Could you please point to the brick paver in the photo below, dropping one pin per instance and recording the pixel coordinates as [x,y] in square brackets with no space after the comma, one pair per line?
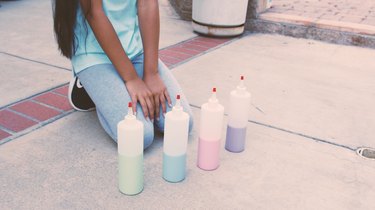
[35,110]
[62,90]
[14,122]
[175,54]
[353,11]
[4,134]
[54,100]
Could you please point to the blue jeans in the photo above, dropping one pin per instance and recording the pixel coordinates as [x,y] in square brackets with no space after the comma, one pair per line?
[108,91]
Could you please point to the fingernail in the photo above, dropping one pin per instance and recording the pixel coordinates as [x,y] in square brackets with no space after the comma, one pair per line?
[157,119]
[170,105]
[163,114]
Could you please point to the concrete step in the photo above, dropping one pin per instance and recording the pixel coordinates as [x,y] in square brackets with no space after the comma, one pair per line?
[338,32]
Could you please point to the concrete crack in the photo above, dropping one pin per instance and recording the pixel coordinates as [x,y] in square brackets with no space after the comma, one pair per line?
[35,61]
[294,133]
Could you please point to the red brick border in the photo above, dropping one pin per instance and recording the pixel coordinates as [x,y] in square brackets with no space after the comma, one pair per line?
[184,51]
[31,113]
[35,110]
[15,122]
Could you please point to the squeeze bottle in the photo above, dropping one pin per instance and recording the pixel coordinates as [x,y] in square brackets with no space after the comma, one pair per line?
[211,126]
[239,107]
[175,143]
[130,154]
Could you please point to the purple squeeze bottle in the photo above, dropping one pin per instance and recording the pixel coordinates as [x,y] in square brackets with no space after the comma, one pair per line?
[239,107]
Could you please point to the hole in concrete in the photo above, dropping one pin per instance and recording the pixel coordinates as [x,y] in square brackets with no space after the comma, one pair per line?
[366,153]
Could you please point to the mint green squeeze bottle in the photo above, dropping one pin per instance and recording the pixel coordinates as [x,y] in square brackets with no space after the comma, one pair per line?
[130,154]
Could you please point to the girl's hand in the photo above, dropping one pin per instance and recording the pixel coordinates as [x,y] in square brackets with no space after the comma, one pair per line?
[138,91]
[158,91]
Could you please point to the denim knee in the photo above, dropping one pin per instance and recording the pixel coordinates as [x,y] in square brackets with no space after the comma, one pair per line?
[160,125]
[191,121]
[148,134]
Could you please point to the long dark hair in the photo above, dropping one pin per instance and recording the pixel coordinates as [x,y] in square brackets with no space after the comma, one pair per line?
[64,20]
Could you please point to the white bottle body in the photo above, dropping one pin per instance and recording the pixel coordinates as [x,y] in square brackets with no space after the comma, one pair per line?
[211,121]
[239,107]
[130,137]
[176,131]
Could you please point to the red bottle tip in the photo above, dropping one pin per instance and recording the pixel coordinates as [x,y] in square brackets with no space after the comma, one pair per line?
[130,104]
[214,90]
[178,97]
[242,77]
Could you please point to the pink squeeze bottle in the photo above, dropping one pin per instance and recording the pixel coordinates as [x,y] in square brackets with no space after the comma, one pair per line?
[211,126]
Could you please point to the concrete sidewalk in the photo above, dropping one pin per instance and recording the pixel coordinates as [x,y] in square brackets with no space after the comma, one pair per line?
[359,12]
[312,106]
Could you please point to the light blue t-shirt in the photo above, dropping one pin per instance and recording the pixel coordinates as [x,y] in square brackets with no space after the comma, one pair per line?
[123,16]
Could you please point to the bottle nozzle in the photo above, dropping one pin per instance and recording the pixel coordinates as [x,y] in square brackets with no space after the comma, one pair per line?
[130,109]
[242,82]
[177,106]
[178,102]
[213,98]
[241,86]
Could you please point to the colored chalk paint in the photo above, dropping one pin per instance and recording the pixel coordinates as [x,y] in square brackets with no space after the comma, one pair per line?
[174,167]
[208,155]
[131,173]
[235,139]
